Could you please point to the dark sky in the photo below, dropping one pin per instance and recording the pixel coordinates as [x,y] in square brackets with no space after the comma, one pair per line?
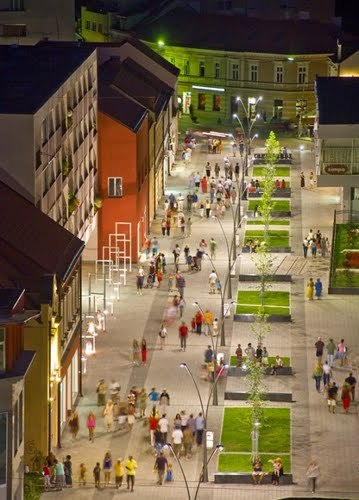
[349,11]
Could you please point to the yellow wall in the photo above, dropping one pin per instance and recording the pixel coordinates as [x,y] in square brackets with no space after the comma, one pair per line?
[91,33]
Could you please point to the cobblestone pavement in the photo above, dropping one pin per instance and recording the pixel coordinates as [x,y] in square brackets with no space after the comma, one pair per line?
[332,439]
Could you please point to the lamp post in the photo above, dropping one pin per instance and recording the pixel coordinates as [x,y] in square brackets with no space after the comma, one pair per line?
[205,414]
[215,450]
[169,446]
[229,256]
[223,312]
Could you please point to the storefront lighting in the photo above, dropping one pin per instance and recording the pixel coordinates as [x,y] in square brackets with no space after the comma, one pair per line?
[201,87]
[161,43]
[290,59]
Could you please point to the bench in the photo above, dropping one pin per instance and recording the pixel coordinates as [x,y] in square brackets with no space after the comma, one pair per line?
[246,478]
[282,397]
[235,371]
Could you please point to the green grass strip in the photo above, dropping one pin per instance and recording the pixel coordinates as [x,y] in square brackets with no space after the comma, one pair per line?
[278,205]
[276,238]
[273,222]
[280,172]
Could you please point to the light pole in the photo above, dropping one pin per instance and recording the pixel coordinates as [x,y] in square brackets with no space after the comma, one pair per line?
[223,312]
[215,450]
[228,254]
[169,446]
[205,414]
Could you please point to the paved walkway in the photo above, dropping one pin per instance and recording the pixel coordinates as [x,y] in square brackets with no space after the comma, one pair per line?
[315,432]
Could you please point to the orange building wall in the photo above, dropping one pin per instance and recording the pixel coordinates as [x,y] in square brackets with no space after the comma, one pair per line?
[122,153]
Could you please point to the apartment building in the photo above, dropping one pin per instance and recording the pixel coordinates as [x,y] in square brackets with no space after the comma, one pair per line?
[277,60]
[15,362]
[25,22]
[48,130]
[44,259]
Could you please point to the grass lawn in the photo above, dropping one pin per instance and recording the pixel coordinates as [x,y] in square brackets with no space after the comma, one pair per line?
[248,302]
[274,433]
[278,205]
[274,222]
[235,462]
[271,360]
[279,172]
[276,238]
[344,279]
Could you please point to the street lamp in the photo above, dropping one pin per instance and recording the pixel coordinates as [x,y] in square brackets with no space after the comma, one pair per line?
[205,414]
[229,256]
[215,450]
[169,446]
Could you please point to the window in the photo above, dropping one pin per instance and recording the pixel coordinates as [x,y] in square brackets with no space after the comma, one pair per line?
[201,68]
[115,187]
[16,427]
[88,25]
[253,73]
[302,74]
[202,101]
[186,68]
[235,71]
[217,68]
[21,417]
[94,26]
[99,28]
[2,350]
[278,109]
[18,30]
[279,74]
[234,105]
[43,132]
[3,447]
[216,103]
[224,5]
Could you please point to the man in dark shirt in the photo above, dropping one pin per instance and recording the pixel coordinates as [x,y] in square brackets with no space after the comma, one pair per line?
[208,354]
[160,466]
[319,346]
[352,382]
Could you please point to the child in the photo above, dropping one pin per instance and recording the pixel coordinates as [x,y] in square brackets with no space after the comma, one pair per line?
[82,475]
[96,474]
[47,475]
[159,277]
[193,324]
[170,282]
[169,475]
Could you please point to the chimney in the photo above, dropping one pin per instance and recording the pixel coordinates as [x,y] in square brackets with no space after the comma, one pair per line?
[339,51]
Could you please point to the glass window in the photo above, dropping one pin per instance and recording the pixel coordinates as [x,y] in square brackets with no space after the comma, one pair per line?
[217,70]
[2,350]
[99,28]
[216,103]
[94,26]
[16,427]
[21,417]
[235,71]
[201,68]
[253,72]
[279,74]
[302,74]
[88,25]
[3,447]
[186,69]
[115,187]
[202,102]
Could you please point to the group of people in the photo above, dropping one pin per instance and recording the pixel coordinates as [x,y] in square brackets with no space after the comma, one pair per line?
[322,373]
[260,355]
[57,475]
[316,243]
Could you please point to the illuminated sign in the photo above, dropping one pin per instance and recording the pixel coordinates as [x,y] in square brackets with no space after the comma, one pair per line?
[215,89]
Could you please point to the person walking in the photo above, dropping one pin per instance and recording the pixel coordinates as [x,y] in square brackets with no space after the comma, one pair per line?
[239,355]
[199,320]
[207,206]
[162,334]
[213,248]
[318,288]
[331,349]
[188,441]
[345,397]
[180,283]
[183,334]
[310,289]
[101,390]
[351,381]
[341,352]
[59,475]
[302,180]
[317,375]
[311,180]
[164,426]
[163,226]
[68,471]
[164,401]
[74,424]
[312,474]
[181,306]
[212,280]
[136,353]
[168,226]
[144,351]
[142,401]
[319,347]
[313,247]
[91,425]
[97,474]
[130,466]
[199,422]
[118,473]
[108,415]
[160,467]
[177,437]
[305,248]
[107,467]
[327,372]
[189,227]
[207,321]
[332,397]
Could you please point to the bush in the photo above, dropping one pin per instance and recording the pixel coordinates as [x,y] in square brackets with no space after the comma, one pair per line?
[33,485]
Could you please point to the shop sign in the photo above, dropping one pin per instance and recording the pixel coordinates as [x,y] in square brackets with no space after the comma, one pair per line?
[336,169]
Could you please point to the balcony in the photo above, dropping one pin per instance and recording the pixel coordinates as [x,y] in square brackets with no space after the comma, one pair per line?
[339,160]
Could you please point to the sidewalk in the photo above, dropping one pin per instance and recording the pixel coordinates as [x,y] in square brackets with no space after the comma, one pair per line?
[314,430]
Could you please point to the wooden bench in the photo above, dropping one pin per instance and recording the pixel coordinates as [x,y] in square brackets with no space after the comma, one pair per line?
[246,478]
[282,397]
[236,371]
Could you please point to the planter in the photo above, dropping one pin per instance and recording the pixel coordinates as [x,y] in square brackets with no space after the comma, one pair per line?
[279,193]
[245,249]
[234,371]
[272,318]
[246,478]
[256,278]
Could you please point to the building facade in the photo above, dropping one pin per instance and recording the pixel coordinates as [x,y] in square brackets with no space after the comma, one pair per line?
[25,22]
[15,362]
[336,137]
[45,260]
[53,155]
